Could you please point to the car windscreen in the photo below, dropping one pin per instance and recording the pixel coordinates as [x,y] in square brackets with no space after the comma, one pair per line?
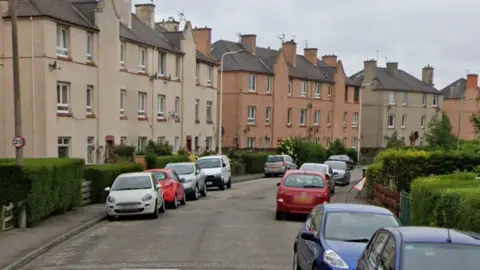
[355,226]
[132,182]
[207,163]
[181,169]
[439,256]
[272,159]
[339,157]
[314,168]
[336,165]
[304,181]
[161,175]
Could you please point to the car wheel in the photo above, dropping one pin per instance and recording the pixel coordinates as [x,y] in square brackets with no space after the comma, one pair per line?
[162,208]
[155,211]
[175,202]
[184,200]
[296,265]
[280,216]
[111,218]
[204,190]
[229,184]
[196,193]
[222,185]
[267,176]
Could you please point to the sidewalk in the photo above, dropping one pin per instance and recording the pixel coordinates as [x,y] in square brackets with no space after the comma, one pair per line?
[20,245]
[247,177]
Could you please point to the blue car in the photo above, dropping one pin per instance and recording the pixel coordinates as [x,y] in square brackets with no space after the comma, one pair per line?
[411,248]
[335,235]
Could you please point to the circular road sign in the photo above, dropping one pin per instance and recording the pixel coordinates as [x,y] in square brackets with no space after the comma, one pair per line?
[18,141]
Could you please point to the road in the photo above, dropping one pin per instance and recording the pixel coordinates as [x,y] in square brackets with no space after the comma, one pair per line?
[229,230]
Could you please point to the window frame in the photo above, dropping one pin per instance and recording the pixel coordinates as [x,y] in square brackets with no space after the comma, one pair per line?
[304,89]
[268,112]
[62,45]
[89,93]
[142,59]
[62,105]
[178,66]
[123,54]
[316,118]
[318,90]
[90,150]
[142,105]
[355,119]
[177,106]
[123,94]
[289,116]
[64,142]
[252,115]
[404,120]
[210,76]
[162,63]
[303,117]
[269,85]
[161,106]
[252,83]
[391,98]
[89,47]
[209,107]
[392,124]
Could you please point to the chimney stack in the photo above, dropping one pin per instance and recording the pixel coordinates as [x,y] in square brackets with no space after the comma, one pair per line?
[146,13]
[427,75]
[290,52]
[392,68]
[124,11]
[203,39]
[171,25]
[311,54]
[369,71]
[472,84]
[330,60]
[249,42]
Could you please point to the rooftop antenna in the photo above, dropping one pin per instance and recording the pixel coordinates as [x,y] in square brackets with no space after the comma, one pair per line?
[306,44]
[449,238]
[282,38]
[181,15]
[377,54]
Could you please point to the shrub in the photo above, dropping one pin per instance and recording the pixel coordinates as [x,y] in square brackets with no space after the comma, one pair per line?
[161,162]
[124,152]
[254,162]
[102,176]
[161,148]
[302,151]
[238,168]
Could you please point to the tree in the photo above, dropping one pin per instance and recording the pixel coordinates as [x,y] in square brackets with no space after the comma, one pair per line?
[395,141]
[440,134]
[475,120]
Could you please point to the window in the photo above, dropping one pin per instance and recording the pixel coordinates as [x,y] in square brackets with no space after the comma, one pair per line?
[317,90]
[89,47]
[303,117]
[435,101]
[316,118]
[123,140]
[63,97]
[162,61]
[177,105]
[329,92]
[209,111]
[160,106]
[161,139]
[208,143]
[178,65]
[377,247]
[345,118]
[434,120]
[356,95]
[89,99]
[387,259]
[355,120]
[267,142]
[197,111]
[123,54]
[196,144]
[123,93]
[304,88]
[63,146]
[344,141]
[422,121]
[142,101]
[424,100]
[329,118]
[251,142]
[391,98]
[267,115]
[269,84]
[328,142]
[289,116]
[354,142]
[210,76]
[176,144]
[346,93]
[391,121]
[62,40]
[405,99]
[197,72]
[290,87]
[252,83]
[404,121]
[141,144]
[90,149]
[252,111]
[142,59]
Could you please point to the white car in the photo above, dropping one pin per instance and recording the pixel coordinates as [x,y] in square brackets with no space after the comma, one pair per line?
[135,194]
[217,170]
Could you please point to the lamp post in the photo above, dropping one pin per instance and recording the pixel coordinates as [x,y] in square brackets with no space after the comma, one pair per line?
[220,113]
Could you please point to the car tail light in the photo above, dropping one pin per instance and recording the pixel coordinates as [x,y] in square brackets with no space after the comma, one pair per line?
[327,177]
[281,191]
[284,164]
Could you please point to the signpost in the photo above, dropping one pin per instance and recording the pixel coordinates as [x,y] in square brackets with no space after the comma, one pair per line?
[18,142]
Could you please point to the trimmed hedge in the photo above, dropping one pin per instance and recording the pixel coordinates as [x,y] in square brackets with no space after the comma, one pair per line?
[450,201]
[254,162]
[154,161]
[102,176]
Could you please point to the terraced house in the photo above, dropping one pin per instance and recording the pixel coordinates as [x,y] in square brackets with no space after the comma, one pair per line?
[393,100]
[94,75]
[272,94]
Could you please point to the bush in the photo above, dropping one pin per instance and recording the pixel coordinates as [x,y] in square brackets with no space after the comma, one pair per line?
[161,162]
[254,162]
[102,176]
[238,168]
[162,148]
[302,151]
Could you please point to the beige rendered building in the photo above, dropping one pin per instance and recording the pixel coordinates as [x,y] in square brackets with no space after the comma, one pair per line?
[92,75]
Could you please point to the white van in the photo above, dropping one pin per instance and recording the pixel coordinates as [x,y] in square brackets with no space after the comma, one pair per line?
[217,171]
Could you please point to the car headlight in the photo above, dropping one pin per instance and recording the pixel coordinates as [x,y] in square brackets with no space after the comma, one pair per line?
[147,197]
[218,175]
[333,259]
[110,199]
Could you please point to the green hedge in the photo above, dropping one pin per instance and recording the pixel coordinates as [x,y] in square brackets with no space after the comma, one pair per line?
[154,162]
[102,176]
[254,162]
[450,201]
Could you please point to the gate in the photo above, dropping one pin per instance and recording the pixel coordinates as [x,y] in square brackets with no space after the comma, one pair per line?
[405,208]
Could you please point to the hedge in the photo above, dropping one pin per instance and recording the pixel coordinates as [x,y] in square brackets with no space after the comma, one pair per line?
[154,161]
[102,176]
[450,201]
[254,162]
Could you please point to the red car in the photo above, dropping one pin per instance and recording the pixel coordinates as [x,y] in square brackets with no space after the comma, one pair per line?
[300,191]
[173,192]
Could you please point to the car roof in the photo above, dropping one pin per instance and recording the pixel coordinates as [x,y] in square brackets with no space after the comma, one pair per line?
[315,164]
[332,156]
[136,174]
[181,163]
[336,161]
[290,172]
[352,207]
[412,234]
[213,156]
[158,170]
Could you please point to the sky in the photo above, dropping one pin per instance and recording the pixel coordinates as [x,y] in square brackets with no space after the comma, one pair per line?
[444,34]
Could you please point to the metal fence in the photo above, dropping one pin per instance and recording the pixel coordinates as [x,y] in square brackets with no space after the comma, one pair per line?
[405,208]
[86,192]
[7,217]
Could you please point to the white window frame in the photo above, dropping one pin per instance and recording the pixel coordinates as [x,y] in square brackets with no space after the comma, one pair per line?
[391,98]
[345,118]
[303,117]
[290,87]
[252,115]
[176,144]
[208,143]
[316,118]
[252,83]
[289,116]
[177,106]
[329,118]
[90,150]
[62,40]
[64,142]
[251,142]
[210,76]
[142,59]
[63,106]
[161,139]
[89,93]
[424,100]
[344,141]
[318,90]
[329,92]
[197,72]
[269,84]
[123,93]
[160,106]
[392,123]
[268,111]
[209,111]
[162,63]
[303,92]
[141,143]
[354,142]
[435,101]
[405,99]
[422,121]
[142,105]
[404,121]
[355,119]
[123,54]
[267,142]
[89,46]
[433,120]
[178,65]
[197,111]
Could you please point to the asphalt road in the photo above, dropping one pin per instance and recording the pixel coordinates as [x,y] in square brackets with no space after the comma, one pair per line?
[229,230]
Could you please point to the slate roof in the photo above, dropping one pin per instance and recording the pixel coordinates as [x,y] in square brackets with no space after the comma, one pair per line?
[330,71]
[403,82]
[456,89]
[176,37]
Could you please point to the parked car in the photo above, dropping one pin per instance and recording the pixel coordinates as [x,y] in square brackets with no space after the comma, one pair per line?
[278,164]
[217,170]
[335,235]
[192,178]
[322,168]
[299,191]
[398,248]
[341,173]
[135,194]
[173,191]
[345,158]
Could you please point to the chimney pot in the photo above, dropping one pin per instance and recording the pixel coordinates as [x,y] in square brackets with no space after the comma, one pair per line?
[249,42]
[146,13]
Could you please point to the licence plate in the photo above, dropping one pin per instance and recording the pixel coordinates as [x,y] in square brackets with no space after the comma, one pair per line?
[274,168]
[304,200]
[209,184]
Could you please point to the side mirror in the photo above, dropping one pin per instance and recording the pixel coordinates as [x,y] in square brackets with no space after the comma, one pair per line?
[224,165]
[197,171]
[309,236]
[278,184]
[107,189]
[158,186]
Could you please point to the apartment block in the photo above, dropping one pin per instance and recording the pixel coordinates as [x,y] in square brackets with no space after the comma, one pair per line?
[394,100]
[271,94]
[93,74]
[460,102]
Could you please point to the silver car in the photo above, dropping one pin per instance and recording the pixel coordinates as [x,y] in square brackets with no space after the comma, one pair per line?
[278,164]
[192,178]
[341,173]
[323,169]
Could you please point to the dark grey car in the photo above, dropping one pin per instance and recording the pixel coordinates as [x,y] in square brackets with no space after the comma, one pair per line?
[323,169]
[278,164]
[345,158]
[341,172]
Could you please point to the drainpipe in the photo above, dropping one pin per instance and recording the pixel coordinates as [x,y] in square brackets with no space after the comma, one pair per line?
[98,154]
[34,95]
[182,101]
[154,116]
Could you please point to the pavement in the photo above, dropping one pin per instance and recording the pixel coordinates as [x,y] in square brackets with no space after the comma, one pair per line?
[229,230]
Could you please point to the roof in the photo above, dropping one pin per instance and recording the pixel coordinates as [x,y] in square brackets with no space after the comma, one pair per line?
[455,89]
[351,207]
[403,82]
[412,234]
[330,71]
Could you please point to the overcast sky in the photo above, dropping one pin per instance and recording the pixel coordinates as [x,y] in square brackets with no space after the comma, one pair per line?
[442,33]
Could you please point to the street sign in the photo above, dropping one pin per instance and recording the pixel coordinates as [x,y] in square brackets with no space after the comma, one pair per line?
[18,142]
[359,185]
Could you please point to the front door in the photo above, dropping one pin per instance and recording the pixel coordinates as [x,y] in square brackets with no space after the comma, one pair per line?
[189,144]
